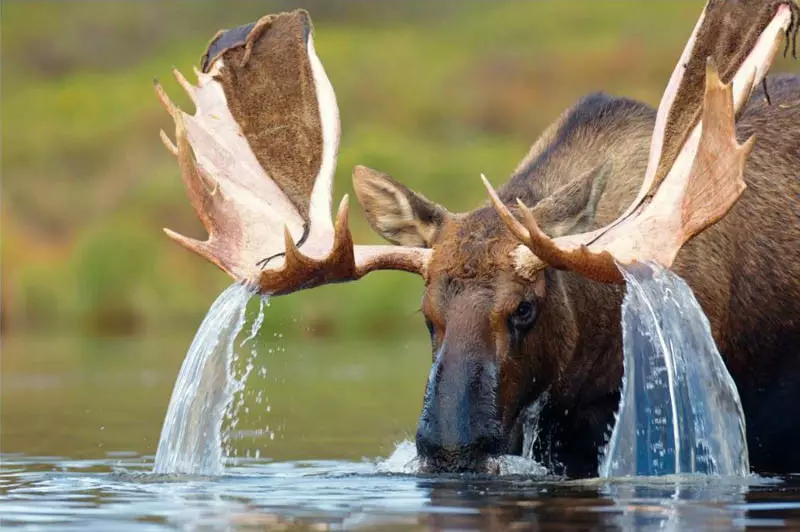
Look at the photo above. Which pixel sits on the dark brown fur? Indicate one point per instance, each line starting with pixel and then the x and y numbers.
pixel 745 272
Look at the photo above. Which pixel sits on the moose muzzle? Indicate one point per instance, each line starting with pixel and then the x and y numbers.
pixel 459 429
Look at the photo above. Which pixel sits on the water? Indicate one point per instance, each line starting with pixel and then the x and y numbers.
pixel 320 419
pixel 192 439
pixel 680 410
pixel 210 390
pixel 120 493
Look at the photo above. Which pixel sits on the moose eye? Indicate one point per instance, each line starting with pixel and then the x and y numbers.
pixel 524 316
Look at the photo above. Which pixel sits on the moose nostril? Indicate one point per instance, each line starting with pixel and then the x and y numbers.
pixel 430 445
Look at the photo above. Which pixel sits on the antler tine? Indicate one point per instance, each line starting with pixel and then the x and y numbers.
pixel 173 110
pixel 197 195
pixel 295 260
pixel 182 148
pixel 542 245
pixel 204 249
pixel 173 149
pixel 600 267
pixel 546 250
pixel 184 83
pixel 713 81
pixel 342 238
pixel 517 229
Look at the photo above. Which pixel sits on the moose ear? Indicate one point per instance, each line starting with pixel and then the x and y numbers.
pixel 572 207
pixel 398 214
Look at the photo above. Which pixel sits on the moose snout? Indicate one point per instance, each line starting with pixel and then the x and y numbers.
pixel 459 427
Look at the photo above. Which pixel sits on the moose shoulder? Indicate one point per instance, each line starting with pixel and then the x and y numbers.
pixel 501 344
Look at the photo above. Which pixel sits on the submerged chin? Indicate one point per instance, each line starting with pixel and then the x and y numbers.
pixel 490 465
pixel 481 465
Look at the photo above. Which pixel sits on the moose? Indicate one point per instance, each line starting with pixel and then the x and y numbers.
pixel 522 295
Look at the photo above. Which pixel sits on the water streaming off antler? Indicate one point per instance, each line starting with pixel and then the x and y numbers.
pixel 680 410
pixel 191 439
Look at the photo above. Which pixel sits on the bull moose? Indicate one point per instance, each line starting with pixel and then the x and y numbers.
pixel 522 294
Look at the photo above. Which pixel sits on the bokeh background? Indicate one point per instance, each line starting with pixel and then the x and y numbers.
pixel 98 302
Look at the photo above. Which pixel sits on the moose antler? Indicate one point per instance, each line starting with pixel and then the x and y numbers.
pixel 695 168
pixel 258 159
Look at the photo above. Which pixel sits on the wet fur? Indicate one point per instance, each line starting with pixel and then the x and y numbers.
pixel 745 272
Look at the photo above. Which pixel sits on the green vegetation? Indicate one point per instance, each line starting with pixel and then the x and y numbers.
pixel 347 398
pixel 433 93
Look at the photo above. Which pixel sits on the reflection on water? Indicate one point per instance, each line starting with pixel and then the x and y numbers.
pixel 62 494
pixel 680 503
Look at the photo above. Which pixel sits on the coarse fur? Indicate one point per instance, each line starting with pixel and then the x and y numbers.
pixel 582 173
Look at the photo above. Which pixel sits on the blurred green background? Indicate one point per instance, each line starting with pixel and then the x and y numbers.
pixel 432 92
pixel 98 306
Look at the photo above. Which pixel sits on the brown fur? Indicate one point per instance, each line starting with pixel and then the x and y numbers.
pixel 745 272
pixel 273 98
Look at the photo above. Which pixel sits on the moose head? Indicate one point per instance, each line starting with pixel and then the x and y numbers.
pixel 521 294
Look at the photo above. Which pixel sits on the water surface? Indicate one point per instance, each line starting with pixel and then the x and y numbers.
pixel 81 419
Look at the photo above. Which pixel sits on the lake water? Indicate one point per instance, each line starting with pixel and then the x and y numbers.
pixel 81 418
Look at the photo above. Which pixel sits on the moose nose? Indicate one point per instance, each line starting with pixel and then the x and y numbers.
pixel 431 445
pixel 459 425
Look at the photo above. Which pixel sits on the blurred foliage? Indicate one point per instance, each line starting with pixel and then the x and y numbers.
pixel 432 92
pixel 82 397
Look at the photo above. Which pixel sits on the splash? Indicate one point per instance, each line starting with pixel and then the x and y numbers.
pixel 192 441
pixel 680 410
pixel 404 460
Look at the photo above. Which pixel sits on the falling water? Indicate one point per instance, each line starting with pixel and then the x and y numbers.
pixel 191 440
pixel 680 411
